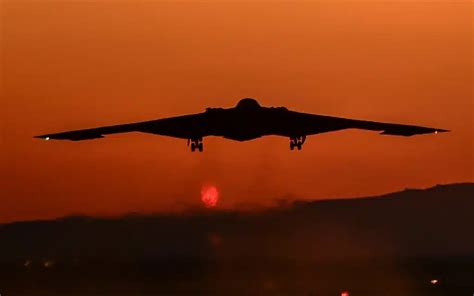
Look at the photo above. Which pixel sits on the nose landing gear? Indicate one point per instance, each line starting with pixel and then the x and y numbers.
pixel 297 142
pixel 196 144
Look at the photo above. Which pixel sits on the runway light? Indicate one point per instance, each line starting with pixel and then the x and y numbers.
pixel 434 282
pixel 345 293
pixel 47 138
pixel 48 263
pixel 436 132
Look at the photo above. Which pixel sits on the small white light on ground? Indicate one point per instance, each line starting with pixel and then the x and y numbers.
pixel 47 138
pixel 48 263
pixel 436 132
pixel 434 282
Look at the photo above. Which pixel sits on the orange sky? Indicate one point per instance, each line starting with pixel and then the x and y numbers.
pixel 77 64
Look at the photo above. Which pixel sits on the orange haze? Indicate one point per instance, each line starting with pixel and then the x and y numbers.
pixel 77 64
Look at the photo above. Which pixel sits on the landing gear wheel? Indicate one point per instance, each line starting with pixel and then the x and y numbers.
pixel 196 144
pixel 297 142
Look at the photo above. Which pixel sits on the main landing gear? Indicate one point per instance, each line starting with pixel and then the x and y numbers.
pixel 196 143
pixel 297 142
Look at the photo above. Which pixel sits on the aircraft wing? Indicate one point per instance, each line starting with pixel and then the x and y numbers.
pixel 308 124
pixel 185 127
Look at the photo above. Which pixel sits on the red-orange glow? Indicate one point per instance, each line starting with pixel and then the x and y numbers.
pixel 103 62
pixel 209 196
pixel 345 293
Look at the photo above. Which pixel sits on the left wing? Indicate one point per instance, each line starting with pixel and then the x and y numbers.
pixel 308 124
pixel 186 127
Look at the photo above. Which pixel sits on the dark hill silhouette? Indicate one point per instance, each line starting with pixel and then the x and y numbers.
pixel 425 233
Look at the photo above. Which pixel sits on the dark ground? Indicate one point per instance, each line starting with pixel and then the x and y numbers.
pixel 388 245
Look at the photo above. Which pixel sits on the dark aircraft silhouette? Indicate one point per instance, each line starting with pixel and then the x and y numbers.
pixel 246 121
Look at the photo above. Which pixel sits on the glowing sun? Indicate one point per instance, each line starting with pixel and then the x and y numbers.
pixel 209 196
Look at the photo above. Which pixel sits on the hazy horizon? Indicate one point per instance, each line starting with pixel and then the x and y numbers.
pixel 284 202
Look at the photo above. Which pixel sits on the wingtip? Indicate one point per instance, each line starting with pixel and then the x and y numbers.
pixel 44 137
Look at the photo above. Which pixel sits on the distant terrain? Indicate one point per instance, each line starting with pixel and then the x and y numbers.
pixel 393 244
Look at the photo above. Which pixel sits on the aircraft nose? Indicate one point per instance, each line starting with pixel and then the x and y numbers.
pixel 248 103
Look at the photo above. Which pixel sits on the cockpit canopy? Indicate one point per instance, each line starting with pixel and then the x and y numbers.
pixel 248 103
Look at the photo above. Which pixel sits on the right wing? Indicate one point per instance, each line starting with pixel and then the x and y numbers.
pixel 186 127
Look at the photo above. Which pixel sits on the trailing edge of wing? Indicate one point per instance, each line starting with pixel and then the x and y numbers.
pixel 408 131
pixel 71 136
pixel 89 134
pixel 393 129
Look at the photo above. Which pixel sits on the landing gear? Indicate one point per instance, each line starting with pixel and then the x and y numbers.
pixel 196 144
pixel 297 142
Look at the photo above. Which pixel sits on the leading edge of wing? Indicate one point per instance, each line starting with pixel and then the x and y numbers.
pixel 179 126
pixel 99 132
pixel 395 129
pixel 316 123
